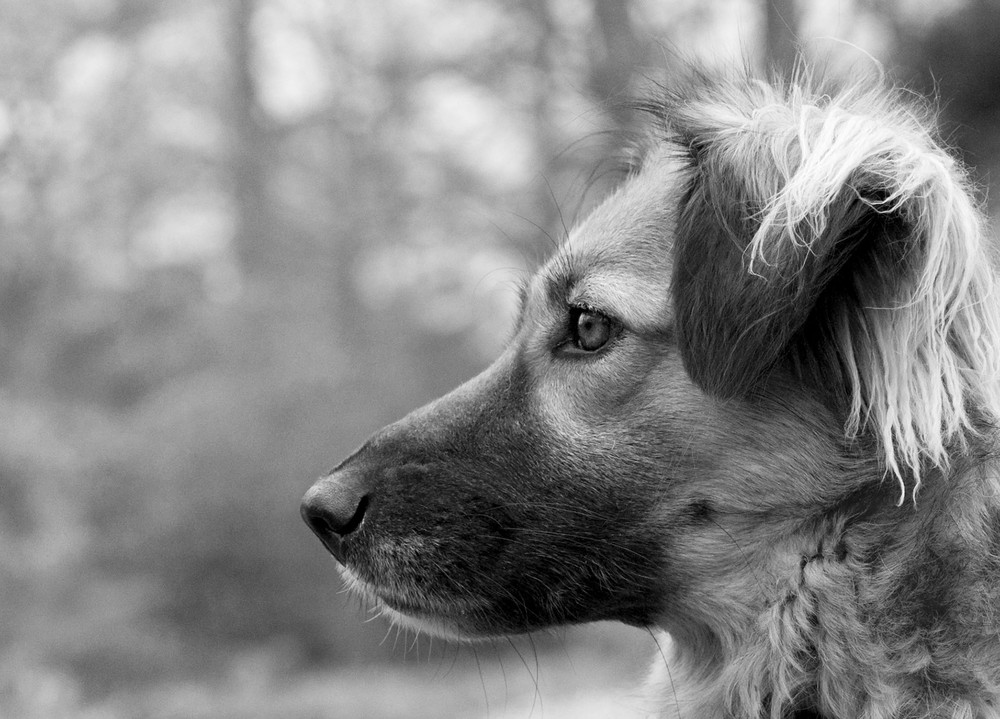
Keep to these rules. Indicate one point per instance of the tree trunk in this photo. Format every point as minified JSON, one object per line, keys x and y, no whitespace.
{"x":781,"y":43}
{"x":612,"y":70}
{"x":252,"y":150}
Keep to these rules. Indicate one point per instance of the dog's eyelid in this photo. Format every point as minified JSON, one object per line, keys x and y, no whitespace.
{"x":612,"y":316}
{"x":585,"y":306}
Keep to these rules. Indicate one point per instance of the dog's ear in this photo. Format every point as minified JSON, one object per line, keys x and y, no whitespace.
{"x":832,"y":235}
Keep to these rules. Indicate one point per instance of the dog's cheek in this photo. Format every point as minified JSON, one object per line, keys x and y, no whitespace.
{"x":591,"y":399}
{"x":624,"y":444}
{"x":508,"y":497}
{"x":570,"y":536}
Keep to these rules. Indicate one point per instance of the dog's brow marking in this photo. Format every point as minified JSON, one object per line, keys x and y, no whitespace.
{"x":642,"y":303}
{"x":618,"y":260}
{"x":636,"y":292}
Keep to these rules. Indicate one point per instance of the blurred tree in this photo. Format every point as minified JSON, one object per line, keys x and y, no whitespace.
{"x":252,"y":150}
{"x":780,"y":39}
{"x":615,"y":59}
{"x":954,"y":56}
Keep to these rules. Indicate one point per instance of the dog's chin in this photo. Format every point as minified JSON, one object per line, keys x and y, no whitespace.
{"x":450,"y":620}
{"x":438,"y":625}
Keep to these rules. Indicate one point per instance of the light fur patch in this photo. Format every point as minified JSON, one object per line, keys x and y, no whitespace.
{"x":618,"y":259}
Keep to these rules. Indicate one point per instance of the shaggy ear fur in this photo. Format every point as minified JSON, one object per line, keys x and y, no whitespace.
{"x":831,"y":234}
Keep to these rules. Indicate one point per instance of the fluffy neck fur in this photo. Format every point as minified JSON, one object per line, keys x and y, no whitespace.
{"x":869,"y":611}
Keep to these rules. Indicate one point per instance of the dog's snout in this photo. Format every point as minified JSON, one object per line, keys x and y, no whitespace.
{"x":334,"y":507}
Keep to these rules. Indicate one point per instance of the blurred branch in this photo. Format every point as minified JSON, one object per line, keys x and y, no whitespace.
{"x":253,"y":147}
{"x":613,"y":67}
{"x":781,"y":42}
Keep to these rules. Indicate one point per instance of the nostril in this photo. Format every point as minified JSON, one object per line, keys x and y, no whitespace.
{"x":355,"y":521}
{"x":334,"y":508}
{"x":318,"y":521}
{"x":326,"y":521}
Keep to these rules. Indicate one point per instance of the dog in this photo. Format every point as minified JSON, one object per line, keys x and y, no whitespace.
{"x":750,"y":403}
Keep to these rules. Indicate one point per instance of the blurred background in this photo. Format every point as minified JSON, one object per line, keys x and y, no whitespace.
{"x":236,"y":236}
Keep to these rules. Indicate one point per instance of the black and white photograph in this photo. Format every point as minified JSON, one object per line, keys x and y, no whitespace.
{"x":499,"y":359}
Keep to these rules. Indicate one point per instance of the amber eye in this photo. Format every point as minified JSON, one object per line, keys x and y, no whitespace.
{"x":589,"y":330}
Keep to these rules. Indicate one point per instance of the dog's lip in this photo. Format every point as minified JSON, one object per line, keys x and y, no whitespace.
{"x":334,"y":545}
{"x":406,"y":606}
{"x":426,"y":606}
{"x":418,"y":607}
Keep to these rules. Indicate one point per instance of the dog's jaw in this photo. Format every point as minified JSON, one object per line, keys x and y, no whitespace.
{"x":453,"y":619}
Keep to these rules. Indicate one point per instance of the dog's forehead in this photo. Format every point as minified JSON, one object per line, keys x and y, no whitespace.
{"x":619,"y":258}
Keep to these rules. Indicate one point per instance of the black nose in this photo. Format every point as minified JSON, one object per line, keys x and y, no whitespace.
{"x":334,"y":507}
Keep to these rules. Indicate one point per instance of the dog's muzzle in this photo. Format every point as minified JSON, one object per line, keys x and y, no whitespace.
{"x":335,"y":507}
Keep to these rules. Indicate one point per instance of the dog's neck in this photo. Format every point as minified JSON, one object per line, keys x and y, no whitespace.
{"x":876,"y":609}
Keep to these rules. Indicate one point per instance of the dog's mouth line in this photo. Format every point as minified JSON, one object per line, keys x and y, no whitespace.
{"x":431,"y":609}
{"x":413,"y":604}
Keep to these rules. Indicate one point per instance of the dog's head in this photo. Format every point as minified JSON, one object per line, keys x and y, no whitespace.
{"x":784,"y":304}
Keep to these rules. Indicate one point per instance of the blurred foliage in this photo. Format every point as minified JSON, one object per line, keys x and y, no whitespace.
{"x":240,"y":235}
